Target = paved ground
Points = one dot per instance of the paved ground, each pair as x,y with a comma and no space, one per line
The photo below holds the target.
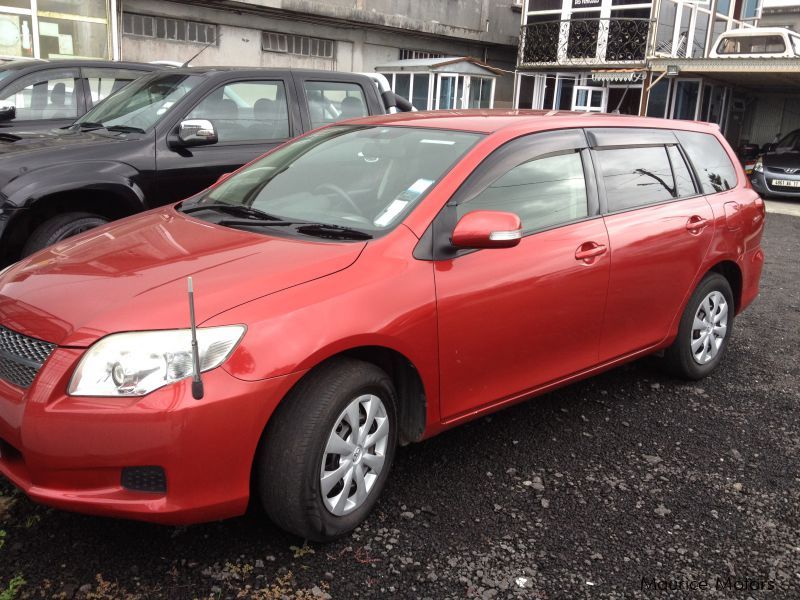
583,493
784,207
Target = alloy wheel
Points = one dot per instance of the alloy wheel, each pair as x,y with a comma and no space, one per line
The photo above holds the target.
709,327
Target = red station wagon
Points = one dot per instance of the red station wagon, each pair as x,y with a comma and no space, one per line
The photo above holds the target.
366,285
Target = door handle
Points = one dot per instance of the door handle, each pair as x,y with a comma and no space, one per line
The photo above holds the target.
589,250
696,223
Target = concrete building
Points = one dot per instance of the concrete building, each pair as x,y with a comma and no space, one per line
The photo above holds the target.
780,16
652,58
343,35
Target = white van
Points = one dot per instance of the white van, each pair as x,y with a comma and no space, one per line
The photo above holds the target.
757,42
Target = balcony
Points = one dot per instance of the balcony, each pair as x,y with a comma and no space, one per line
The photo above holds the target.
585,42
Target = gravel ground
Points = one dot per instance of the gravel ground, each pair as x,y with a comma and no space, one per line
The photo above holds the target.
619,486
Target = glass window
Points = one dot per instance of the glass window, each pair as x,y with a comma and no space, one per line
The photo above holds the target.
49,94
686,96
700,31
144,102
81,8
636,177
104,82
422,82
713,166
60,38
683,178
246,110
657,101
480,92
402,84
543,192
16,35
332,101
368,178
752,44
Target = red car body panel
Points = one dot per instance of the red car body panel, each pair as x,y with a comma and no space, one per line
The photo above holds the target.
482,330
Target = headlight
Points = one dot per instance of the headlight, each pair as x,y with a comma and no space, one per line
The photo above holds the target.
759,166
135,364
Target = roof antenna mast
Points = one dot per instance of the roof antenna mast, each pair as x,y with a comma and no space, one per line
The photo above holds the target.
203,49
197,382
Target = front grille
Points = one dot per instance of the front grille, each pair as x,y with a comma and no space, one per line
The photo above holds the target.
144,479
21,357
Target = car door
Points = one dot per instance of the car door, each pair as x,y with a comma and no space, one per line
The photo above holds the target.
334,97
660,229
101,82
251,116
44,99
515,319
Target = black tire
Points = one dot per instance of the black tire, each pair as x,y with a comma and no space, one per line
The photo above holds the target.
290,454
60,228
678,359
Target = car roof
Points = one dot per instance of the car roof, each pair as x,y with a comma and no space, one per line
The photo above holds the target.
494,120
210,70
757,31
36,64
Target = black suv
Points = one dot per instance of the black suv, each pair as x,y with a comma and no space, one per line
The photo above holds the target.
160,139
41,94
777,172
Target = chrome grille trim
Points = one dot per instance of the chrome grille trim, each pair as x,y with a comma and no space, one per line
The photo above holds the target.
21,357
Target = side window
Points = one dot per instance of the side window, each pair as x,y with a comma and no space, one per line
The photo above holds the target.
683,178
246,111
636,177
543,192
710,160
44,95
104,82
331,101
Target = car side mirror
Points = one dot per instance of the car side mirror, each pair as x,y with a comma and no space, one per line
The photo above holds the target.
487,229
770,147
8,113
197,132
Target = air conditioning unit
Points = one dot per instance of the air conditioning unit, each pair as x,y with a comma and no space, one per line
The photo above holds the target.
516,5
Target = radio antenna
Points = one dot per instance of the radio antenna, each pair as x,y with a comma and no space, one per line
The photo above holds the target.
203,49
197,382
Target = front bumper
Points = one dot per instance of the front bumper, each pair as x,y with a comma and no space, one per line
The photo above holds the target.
761,183
69,452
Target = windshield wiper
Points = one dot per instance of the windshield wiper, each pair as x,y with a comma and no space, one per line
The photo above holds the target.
325,230
89,125
126,129
234,209
333,231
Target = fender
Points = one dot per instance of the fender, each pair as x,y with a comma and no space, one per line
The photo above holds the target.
121,178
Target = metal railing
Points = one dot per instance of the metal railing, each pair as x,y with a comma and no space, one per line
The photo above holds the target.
585,42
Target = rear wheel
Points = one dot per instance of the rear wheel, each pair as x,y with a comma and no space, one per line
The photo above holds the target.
326,453
60,228
704,331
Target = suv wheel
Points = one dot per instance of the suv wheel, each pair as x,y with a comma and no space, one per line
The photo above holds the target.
60,228
705,330
326,453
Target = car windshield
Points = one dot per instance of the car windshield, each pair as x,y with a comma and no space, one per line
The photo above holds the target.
142,103
364,178
790,143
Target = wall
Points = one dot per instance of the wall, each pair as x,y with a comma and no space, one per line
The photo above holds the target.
358,47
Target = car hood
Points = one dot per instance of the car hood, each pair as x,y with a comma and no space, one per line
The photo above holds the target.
131,275
54,140
782,160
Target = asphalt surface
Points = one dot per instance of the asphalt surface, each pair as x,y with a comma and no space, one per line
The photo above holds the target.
618,486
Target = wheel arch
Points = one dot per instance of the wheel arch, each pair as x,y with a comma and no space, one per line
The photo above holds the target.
731,271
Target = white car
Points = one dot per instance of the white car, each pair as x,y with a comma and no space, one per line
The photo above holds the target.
757,42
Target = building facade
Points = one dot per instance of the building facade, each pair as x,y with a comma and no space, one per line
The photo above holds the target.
652,58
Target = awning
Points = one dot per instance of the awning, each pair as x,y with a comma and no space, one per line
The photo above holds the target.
618,75
776,75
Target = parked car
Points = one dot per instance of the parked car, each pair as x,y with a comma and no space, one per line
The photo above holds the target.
777,172
757,42
39,94
163,138
367,285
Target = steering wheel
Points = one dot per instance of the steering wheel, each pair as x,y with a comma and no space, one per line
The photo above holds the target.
342,194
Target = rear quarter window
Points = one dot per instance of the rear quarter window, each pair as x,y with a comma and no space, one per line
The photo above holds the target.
713,166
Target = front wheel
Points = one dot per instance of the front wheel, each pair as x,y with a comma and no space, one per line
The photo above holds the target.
326,453
704,331
60,228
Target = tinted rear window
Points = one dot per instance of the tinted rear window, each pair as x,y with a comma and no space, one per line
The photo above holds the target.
636,177
710,160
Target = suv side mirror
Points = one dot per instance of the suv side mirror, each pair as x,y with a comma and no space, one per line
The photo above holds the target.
8,112
769,148
487,229
197,132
